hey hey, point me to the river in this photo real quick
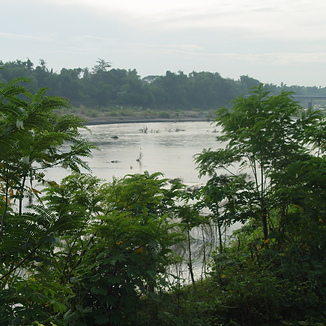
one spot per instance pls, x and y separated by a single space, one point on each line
128 148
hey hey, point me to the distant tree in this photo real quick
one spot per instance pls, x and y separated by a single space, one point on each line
134 91
249 82
102 86
102 66
29 64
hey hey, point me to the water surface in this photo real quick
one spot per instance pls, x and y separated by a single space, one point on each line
167 147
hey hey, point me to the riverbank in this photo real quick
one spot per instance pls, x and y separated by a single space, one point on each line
118 120
145 117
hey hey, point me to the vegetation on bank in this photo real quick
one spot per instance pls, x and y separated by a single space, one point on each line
91 252
102 91
112 115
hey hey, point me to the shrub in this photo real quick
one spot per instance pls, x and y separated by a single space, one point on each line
165 115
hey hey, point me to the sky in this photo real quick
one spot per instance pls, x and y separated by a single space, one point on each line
274 41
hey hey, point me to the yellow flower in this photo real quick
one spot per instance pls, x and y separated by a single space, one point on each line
140 249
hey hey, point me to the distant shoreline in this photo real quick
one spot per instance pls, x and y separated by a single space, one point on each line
100 121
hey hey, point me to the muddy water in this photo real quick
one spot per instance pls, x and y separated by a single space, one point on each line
154 147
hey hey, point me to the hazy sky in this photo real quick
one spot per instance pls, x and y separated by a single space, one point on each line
271 40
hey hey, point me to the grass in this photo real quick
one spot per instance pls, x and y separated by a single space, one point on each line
119 113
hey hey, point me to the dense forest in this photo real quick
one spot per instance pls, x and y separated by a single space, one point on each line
84 251
102 87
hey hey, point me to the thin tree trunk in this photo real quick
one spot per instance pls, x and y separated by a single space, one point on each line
21 196
5 208
204 253
220 240
191 271
264 219
262 201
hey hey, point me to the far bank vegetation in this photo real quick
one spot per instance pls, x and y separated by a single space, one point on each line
104 94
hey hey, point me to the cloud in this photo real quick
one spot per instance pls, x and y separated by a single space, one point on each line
27 37
168 48
295 58
276 59
277 19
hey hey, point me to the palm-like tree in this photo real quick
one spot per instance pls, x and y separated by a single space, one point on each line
34 137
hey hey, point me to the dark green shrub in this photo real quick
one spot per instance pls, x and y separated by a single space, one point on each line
165 115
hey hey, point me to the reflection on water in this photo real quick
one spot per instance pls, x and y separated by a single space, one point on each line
164 147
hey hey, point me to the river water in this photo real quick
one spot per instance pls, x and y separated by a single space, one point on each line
167 147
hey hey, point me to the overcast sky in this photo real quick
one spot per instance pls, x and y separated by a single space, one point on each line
273 41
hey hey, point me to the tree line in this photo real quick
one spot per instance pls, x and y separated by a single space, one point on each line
102 86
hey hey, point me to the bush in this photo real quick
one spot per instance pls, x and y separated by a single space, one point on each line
165 115
268 291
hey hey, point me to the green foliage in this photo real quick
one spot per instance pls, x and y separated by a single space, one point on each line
118 248
264 134
125 262
165 115
266 287
32 137
274 270
86 252
94 253
103 86
100 255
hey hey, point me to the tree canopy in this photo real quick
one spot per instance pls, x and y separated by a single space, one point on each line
103 86
270 176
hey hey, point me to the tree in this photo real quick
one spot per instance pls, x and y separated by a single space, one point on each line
33 138
101 66
274 164
118 253
264 134
228 202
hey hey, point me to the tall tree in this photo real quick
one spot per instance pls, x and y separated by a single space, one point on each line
33 138
263 135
